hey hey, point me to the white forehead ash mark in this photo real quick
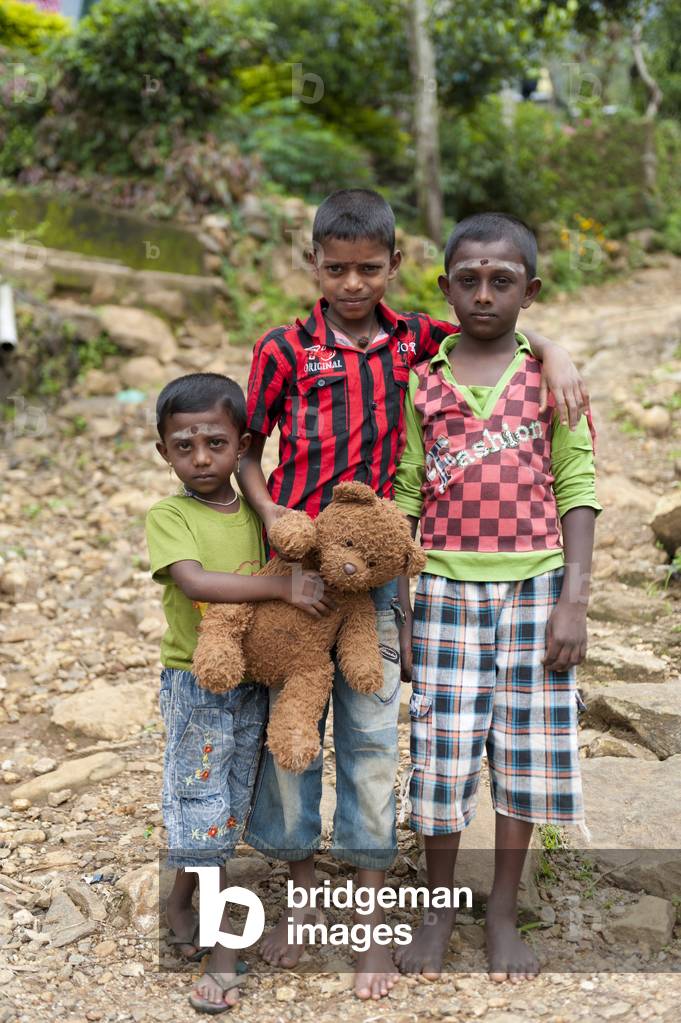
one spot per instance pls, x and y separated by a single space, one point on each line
493 264
207 429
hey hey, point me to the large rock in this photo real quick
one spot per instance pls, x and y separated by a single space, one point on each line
139 332
170 303
74 774
143 372
619 491
632 812
608 745
85 319
650 920
619 603
650 711
626 662
666 521
107 712
140 888
64 922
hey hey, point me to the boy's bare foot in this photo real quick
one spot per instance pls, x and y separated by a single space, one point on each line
276 949
375 974
508 956
429 945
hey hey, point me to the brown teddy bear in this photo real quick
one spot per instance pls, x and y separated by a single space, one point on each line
358 542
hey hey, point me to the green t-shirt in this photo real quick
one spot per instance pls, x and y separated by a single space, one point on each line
182 529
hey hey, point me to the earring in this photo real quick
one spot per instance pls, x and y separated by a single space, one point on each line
238 463
170 471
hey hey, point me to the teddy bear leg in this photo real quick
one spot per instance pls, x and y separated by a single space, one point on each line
219 662
293 729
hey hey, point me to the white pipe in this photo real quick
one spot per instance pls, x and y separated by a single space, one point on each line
8 325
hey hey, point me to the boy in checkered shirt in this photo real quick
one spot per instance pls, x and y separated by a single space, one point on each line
334 382
500 613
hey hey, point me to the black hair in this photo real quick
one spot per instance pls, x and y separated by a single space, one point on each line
351 214
199 392
495 227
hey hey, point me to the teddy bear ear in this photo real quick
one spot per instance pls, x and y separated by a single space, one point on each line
352 491
415 560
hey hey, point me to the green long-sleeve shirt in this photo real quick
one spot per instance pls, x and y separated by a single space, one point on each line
572 465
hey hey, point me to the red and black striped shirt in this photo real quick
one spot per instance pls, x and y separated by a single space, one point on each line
340 411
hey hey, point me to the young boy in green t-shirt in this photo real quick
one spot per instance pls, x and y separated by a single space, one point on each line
205 543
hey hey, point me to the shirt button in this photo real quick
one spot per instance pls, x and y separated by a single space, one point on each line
321 383
374 406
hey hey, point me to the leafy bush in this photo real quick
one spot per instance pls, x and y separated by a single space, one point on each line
17 147
543 170
303 154
668 145
145 61
25 27
671 231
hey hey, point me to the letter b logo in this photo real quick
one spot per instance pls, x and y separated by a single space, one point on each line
212 901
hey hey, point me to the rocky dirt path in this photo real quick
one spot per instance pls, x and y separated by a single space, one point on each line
79 629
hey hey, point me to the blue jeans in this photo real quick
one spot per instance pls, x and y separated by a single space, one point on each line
285 821
213 743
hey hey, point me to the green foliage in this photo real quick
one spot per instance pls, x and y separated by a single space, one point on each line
551 837
344 63
252 316
17 150
542 169
663 35
93 353
152 61
480 44
303 154
671 232
416 288
24 27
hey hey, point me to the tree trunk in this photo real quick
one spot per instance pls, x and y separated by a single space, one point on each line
426 127
654 100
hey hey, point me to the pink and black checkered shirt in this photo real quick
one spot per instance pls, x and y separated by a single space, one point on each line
488 482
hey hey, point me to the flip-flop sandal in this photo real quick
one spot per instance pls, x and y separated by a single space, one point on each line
226 981
180 939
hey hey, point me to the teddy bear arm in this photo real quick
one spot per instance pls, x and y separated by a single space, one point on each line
219 662
357 647
293 729
293 535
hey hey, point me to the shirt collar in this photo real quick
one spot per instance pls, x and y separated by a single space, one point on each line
318 329
447 343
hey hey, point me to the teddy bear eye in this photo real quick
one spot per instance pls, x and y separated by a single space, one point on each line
348 543
371 564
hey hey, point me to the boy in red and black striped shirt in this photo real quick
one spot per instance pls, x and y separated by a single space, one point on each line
335 384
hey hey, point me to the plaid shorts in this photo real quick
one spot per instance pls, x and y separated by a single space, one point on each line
478 682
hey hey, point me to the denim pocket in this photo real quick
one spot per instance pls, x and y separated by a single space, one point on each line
420 712
164 696
199 754
389 646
